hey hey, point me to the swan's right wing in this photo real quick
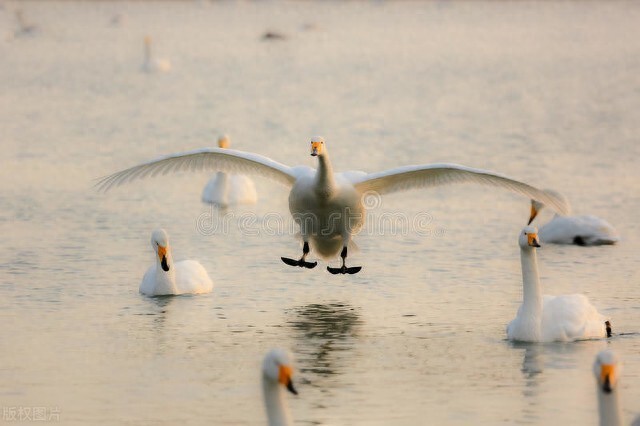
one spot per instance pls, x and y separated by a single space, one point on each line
211 159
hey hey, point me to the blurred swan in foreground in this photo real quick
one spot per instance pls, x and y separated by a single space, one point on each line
607 371
151 64
277 373
225 189
550 318
165 277
579 230
328 207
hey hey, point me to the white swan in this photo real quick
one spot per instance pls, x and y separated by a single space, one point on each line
151 64
607 371
225 189
550 318
327 206
24 27
165 277
277 372
579 230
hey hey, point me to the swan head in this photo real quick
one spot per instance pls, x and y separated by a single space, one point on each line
536 206
224 141
317 146
160 245
529 237
277 368
607 370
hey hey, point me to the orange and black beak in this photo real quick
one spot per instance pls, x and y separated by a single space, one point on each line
533 240
162 255
534 212
607 377
285 378
316 148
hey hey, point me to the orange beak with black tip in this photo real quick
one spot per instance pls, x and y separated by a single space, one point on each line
316 148
284 377
162 255
533 240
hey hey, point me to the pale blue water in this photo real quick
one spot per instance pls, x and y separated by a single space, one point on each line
545 92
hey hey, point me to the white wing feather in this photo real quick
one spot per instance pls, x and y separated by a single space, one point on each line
429 175
210 159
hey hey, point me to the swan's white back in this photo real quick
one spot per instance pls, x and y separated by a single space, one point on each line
581 230
227 190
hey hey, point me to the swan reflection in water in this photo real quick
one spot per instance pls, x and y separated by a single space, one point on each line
324 332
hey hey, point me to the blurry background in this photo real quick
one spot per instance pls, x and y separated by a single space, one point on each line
545 92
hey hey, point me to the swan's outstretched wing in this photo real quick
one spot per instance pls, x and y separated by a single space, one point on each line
211 159
410 177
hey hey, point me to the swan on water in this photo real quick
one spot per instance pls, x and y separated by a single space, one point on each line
606 368
550 318
151 64
579 230
166 277
328 207
277 374
225 189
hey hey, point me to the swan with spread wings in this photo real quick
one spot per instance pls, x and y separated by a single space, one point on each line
327 206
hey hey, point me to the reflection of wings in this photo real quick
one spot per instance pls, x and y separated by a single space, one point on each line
428 175
212 159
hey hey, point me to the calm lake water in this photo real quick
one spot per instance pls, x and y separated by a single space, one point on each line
546 92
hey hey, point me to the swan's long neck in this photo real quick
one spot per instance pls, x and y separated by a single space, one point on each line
147 53
277 409
532 294
166 280
609 408
325 180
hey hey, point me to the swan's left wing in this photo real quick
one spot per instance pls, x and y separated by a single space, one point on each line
428 175
212 159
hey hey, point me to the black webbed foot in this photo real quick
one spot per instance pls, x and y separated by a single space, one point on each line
299 262
344 270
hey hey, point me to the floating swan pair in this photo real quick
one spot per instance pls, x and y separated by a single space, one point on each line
328 207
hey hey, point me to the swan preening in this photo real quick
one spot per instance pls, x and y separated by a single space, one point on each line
151 64
277 375
166 277
579 230
327 206
550 318
607 372
224 190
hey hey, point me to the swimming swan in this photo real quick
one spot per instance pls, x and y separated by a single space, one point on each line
277 372
607 371
224 189
327 206
579 230
165 277
151 64
550 318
